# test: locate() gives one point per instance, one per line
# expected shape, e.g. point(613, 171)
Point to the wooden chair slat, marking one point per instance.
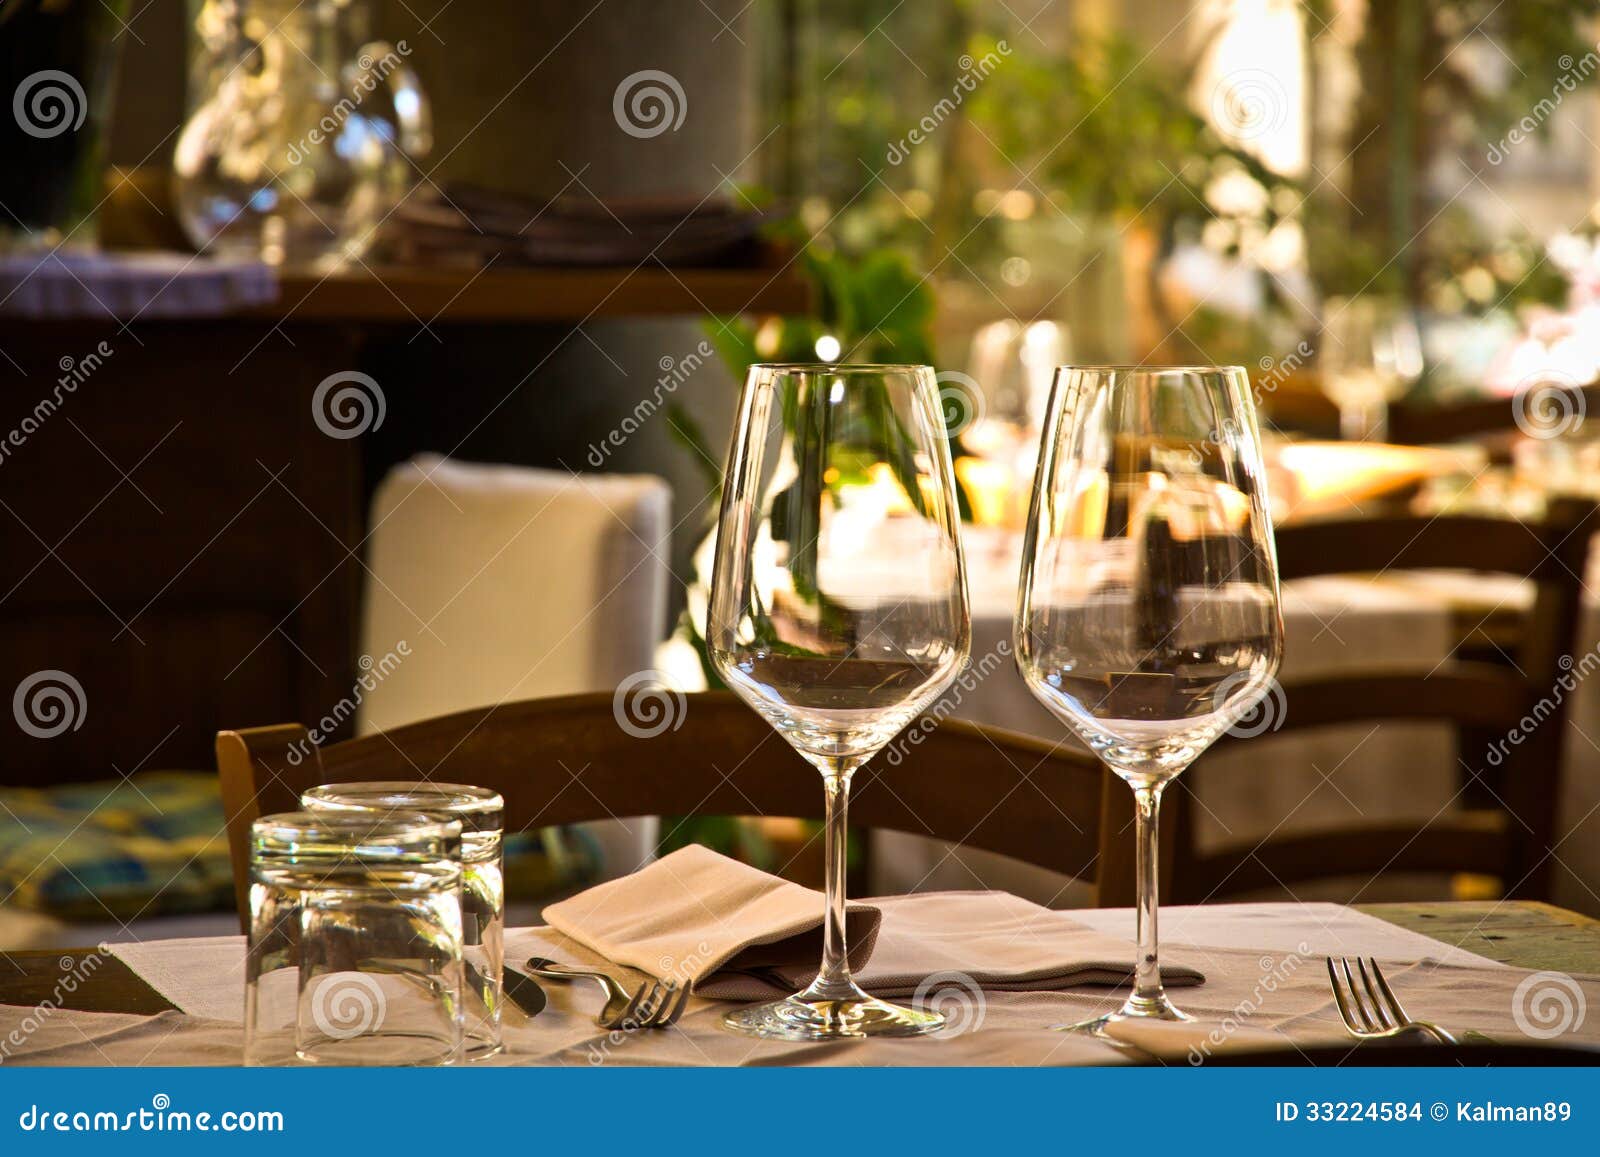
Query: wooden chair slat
point(1466, 694)
point(1431, 424)
point(568, 760)
point(1483, 700)
point(253, 767)
point(1360, 545)
point(1471, 842)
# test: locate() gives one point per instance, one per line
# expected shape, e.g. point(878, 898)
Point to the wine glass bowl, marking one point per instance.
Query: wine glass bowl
point(1148, 614)
point(1371, 356)
point(838, 608)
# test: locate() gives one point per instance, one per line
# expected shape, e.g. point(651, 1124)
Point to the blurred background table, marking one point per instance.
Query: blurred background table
point(1287, 783)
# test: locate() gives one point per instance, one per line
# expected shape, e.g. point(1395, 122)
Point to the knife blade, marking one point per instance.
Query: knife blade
point(524, 992)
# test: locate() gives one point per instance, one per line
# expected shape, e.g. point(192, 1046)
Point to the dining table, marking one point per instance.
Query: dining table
point(1478, 965)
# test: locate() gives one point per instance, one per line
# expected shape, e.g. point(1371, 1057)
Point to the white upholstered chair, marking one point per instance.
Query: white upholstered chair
point(507, 583)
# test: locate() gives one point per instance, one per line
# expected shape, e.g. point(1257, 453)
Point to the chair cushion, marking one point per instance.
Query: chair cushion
point(149, 844)
point(465, 549)
point(155, 844)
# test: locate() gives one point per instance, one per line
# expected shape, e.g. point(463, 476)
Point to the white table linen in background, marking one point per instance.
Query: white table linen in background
point(1278, 782)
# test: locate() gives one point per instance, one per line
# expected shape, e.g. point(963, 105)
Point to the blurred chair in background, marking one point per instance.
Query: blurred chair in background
point(1508, 700)
point(506, 583)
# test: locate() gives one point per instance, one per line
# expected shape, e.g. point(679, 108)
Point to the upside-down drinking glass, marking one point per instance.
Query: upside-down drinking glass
point(1148, 618)
point(838, 609)
point(354, 952)
point(480, 812)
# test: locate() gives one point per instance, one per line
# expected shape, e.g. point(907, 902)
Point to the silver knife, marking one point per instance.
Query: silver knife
point(524, 992)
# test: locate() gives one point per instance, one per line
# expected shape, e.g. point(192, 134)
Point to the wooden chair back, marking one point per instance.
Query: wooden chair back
point(1507, 827)
point(568, 760)
point(1424, 425)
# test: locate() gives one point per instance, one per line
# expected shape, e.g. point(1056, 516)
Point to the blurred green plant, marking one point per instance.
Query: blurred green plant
point(1095, 128)
point(1137, 153)
point(872, 308)
point(1429, 97)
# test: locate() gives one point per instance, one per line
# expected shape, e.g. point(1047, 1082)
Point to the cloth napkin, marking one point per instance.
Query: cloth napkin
point(735, 933)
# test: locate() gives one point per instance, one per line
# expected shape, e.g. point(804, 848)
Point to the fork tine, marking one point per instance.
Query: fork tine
point(650, 1006)
point(1374, 998)
point(669, 993)
point(1401, 1015)
point(1355, 997)
point(629, 1016)
point(641, 1004)
point(1340, 1000)
point(677, 1007)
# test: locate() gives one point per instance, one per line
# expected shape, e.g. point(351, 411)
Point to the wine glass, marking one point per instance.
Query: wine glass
point(1148, 618)
point(1371, 355)
point(838, 609)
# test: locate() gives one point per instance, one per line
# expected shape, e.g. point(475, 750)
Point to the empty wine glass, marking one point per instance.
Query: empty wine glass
point(1371, 355)
point(1148, 618)
point(838, 609)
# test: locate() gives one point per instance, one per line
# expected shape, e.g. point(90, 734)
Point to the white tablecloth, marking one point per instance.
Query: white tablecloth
point(1265, 983)
point(1313, 779)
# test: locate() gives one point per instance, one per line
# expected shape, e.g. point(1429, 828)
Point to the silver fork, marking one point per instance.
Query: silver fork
point(656, 1004)
point(1368, 1006)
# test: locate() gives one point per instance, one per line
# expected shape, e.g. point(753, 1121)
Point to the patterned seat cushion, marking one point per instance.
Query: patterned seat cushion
point(155, 844)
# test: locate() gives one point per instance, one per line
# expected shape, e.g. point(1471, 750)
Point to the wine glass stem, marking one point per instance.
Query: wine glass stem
point(1147, 991)
point(833, 979)
point(1364, 422)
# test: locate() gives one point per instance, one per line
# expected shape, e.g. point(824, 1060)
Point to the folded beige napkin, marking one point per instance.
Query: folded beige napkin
point(736, 933)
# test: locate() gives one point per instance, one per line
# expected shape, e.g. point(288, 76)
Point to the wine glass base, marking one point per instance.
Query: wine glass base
point(799, 1018)
point(1137, 1011)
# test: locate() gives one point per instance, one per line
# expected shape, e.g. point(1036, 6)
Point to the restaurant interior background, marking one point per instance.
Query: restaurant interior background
point(587, 218)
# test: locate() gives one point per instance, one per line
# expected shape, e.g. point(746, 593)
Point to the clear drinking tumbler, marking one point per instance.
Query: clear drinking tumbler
point(354, 953)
